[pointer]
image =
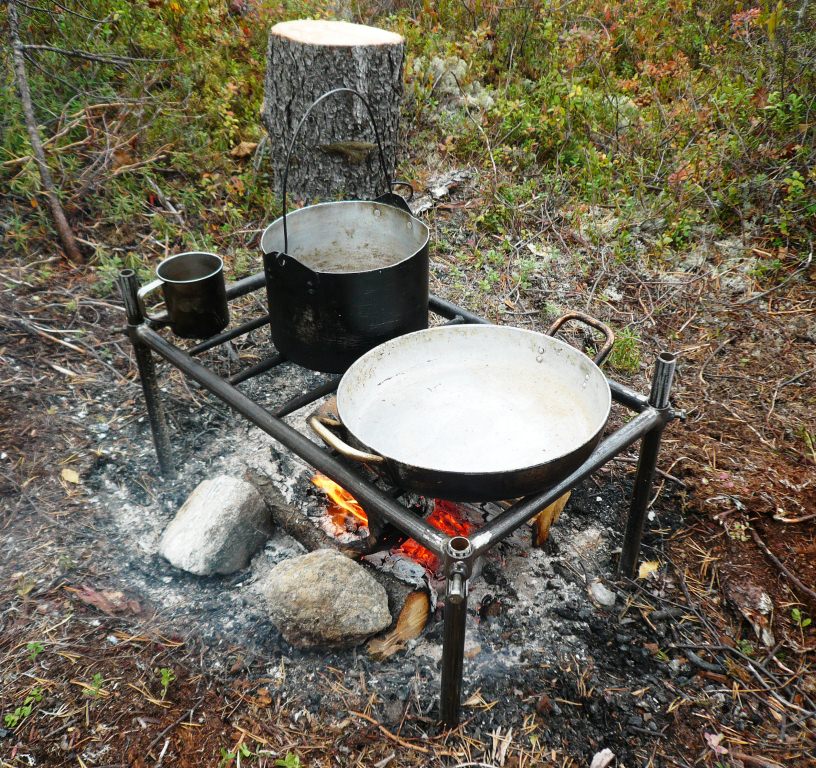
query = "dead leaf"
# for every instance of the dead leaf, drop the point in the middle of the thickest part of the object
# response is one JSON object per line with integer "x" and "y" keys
{"x": 546, "y": 518}
{"x": 122, "y": 157}
{"x": 244, "y": 149}
{"x": 411, "y": 622}
{"x": 70, "y": 475}
{"x": 647, "y": 567}
{"x": 111, "y": 602}
{"x": 754, "y": 604}
{"x": 713, "y": 741}
{"x": 25, "y": 585}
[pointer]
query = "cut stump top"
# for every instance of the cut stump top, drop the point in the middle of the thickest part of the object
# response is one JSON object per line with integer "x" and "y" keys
{"x": 334, "y": 33}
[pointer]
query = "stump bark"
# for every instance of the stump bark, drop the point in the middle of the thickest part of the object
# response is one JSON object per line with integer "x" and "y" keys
{"x": 335, "y": 155}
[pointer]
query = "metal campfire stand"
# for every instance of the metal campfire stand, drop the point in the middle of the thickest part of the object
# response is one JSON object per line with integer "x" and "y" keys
{"x": 458, "y": 553}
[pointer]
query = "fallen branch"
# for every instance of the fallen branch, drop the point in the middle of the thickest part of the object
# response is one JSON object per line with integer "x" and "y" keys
{"x": 388, "y": 735}
{"x": 803, "y": 268}
{"x": 803, "y": 519}
{"x": 759, "y": 762}
{"x": 294, "y": 522}
{"x": 64, "y": 230}
{"x": 166, "y": 204}
{"x": 33, "y": 329}
{"x": 662, "y": 473}
{"x": 176, "y": 722}
{"x": 804, "y": 589}
{"x": 88, "y": 56}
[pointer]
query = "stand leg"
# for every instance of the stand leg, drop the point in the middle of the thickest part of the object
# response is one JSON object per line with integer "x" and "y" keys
{"x": 129, "y": 285}
{"x": 453, "y": 649}
{"x": 647, "y": 463}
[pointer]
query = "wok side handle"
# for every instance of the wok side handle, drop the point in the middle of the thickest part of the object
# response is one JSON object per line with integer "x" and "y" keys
{"x": 320, "y": 428}
{"x": 581, "y": 317}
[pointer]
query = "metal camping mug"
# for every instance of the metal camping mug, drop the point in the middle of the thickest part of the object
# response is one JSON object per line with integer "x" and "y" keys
{"x": 194, "y": 294}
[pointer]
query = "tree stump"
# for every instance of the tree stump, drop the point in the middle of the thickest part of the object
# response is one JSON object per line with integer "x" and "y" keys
{"x": 336, "y": 154}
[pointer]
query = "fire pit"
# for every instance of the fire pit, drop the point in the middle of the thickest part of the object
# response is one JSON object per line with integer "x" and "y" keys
{"x": 457, "y": 550}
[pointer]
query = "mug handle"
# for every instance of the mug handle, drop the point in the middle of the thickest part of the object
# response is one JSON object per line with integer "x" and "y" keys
{"x": 140, "y": 296}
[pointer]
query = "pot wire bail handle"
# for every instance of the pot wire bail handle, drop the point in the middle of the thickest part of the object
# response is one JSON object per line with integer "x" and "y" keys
{"x": 300, "y": 125}
{"x": 581, "y": 317}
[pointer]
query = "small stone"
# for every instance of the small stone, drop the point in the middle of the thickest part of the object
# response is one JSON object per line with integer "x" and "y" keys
{"x": 324, "y": 598}
{"x": 602, "y": 595}
{"x": 603, "y": 758}
{"x": 217, "y": 530}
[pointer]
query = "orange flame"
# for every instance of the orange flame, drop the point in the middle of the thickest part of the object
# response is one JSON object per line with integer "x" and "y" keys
{"x": 342, "y": 502}
{"x": 448, "y": 518}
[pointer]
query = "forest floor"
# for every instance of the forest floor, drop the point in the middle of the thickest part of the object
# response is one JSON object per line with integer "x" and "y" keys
{"x": 739, "y": 472}
{"x": 92, "y": 675}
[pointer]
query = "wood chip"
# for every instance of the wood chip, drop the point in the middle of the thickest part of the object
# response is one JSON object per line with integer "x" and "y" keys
{"x": 546, "y": 518}
{"x": 411, "y": 622}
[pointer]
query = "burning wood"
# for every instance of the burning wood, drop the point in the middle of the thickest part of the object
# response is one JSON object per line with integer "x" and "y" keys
{"x": 447, "y": 517}
{"x": 343, "y": 507}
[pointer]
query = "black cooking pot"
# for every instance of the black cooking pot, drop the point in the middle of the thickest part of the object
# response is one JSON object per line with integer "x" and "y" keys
{"x": 344, "y": 277}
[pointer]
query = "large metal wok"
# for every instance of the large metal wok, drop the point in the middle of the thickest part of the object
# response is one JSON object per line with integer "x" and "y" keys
{"x": 473, "y": 412}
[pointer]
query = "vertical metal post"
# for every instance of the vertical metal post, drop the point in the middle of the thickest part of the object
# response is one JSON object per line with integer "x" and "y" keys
{"x": 647, "y": 463}
{"x": 457, "y": 565}
{"x": 129, "y": 286}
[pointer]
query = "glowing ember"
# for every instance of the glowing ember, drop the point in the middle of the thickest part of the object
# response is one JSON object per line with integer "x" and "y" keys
{"x": 342, "y": 503}
{"x": 448, "y": 518}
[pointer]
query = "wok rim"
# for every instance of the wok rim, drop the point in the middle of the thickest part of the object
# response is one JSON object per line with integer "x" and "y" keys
{"x": 485, "y": 475}
{"x": 365, "y": 203}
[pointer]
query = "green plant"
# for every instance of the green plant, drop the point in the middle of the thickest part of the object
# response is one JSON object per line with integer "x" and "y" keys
{"x": 166, "y": 677}
{"x": 800, "y": 619}
{"x": 13, "y": 719}
{"x": 241, "y": 751}
{"x": 745, "y": 647}
{"x": 625, "y": 355}
{"x": 765, "y": 268}
{"x": 489, "y": 280}
{"x": 34, "y": 648}
{"x": 809, "y": 438}
{"x": 94, "y": 688}
{"x": 737, "y": 530}
{"x": 290, "y": 761}
{"x": 525, "y": 268}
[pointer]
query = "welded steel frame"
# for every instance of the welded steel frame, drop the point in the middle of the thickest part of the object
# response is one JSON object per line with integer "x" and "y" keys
{"x": 458, "y": 553}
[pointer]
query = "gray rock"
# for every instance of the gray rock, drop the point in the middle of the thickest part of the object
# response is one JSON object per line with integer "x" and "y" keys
{"x": 324, "y": 599}
{"x": 217, "y": 530}
{"x": 602, "y": 595}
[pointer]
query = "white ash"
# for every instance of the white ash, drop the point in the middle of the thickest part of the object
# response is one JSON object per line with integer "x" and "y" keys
{"x": 542, "y": 612}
